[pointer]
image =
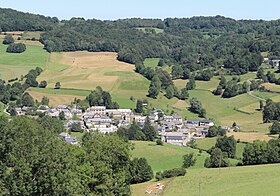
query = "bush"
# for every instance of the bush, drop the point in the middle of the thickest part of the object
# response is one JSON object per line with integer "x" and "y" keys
{"x": 16, "y": 48}
{"x": 170, "y": 173}
{"x": 8, "y": 40}
{"x": 159, "y": 142}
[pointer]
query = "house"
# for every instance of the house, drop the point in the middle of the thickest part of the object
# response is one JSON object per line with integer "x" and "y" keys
{"x": 176, "y": 138}
{"x": 275, "y": 63}
{"x": 120, "y": 114}
{"x": 53, "y": 112}
{"x": 140, "y": 119}
{"x": 100, "y": 110}
{"x": 77, "y": 112}
{"x": 206, "y": 123}
{"x": 173, "y": 119}
{"x": 68, "y": 138}
{"x": 68, "y": 124}
{"x": 104, "y": 129}
{"x": 192, "y": 123}
{"x": 19, "y": 112}
{"x": 43, "y": 108}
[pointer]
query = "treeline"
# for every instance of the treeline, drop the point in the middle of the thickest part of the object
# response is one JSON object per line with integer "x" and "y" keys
{"x": 101, "y": 165}
{"x": 271, "y": 111}
{"x": 11, "y": 20}
{"x": 261, "y": 152}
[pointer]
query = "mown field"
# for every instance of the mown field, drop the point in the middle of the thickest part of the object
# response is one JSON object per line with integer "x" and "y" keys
{"x": 250, "y": 180}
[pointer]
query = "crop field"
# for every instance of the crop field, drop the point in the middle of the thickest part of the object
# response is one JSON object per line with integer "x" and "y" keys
{"x": 165, "y": 157}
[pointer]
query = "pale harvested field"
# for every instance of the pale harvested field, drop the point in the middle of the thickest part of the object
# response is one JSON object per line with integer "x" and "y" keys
{"x": 86, "y": 70}
{"x": 55, "y": 99}
{"x": 249, "y": 137}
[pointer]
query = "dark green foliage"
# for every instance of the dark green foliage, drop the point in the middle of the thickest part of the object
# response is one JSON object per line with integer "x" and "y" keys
{"x": 50, "y": 123}
{"x": 223, "y": 82}
{"x": 57, "y": 85}
{"x": 184, "y": 94}
{"x": 171, "y": 173}
{"x": 99, "y": 97}
{"x": 177, "y": 72}
{"x": 11, "y": 20}
{"x": 76, "y": 127}
{"x": 271, "y": 111}
{"x": 45, "y": 101}
{"x": 216, "y": 131}
{"x": 149, "y": 130}
{"x": 170, "y": 92}
{"x": 104, "y": 164}
{"x": 196, "y": 107}
{"x": 189, "y": 160}
{"x": 274, "y": 128}
{"x": 204, "y": 75}
{"x": 140, "y": 171}
{"x": 16, "y": 48}
{"x": 217, "y": 159}
{"x": 41, "y": 163}
{"x": 61, "y": 116}
{"x": 261, "y": 104}
{"x": 27, "y": 100}
{"x": 43, "y": 84}
{"x": 191, "y": 84}
{"x": 218, "y": 91}
{"x": 155, "y": 87}
{"x": 139, "y": 107}
{"x": 227, "y": 145}
{"x": 161, "y": 63}
{"x": 159, "y": 142}
{"x": 8, "y": 40}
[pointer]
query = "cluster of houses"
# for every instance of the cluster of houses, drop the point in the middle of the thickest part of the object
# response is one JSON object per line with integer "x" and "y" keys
{"x": 172, "y": 129}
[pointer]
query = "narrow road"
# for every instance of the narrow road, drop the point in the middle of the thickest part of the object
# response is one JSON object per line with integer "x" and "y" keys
{"x": 250, "y": 94}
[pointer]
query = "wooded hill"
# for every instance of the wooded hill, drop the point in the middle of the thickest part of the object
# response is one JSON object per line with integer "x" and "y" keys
{"x": 193, "y": 43}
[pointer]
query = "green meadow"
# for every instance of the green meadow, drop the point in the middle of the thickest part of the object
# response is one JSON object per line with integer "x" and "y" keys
{"x": 157, "y": 30}
{"x": 251, "y": 180}
{"x": 165, "y": 157}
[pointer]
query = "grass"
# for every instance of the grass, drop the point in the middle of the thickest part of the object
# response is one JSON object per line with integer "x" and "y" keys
{"x": 251, "y": 180}
{"x": 207, "y": 143}
{"x": 165, "y": 157}
{"x": 157, "y": 30}
{"x": 153, "y": 63}
{"x": 78, "y": 135}
{"x": 15, "y": 65}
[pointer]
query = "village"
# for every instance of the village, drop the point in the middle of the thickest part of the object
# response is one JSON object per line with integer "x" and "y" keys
{"x": 174, "y": 130}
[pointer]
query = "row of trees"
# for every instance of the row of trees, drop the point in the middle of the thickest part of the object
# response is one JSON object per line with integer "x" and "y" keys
{"x": 261, "y": 152}
{"x": 34, "y": 161}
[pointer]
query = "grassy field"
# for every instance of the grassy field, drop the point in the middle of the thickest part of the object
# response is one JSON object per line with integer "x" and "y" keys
{"x": 207, "y": 143}
{"x": 248, "y": 180}
{"x": 153, "y": 63}
{"x": 165, "y": 157}
{"x": 15, "y": 65}
{"x": 251, "y": 180}
{"x": 157, "y": 30}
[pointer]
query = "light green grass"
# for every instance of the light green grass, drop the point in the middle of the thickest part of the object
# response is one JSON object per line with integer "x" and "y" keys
{"x": 207, "y": 143}
{"x": 78, "y": 135}
{"x": 165, "y": 157}
{"x": 157, "y": 30}
{"x": 30, "y": 35}
{"x": 15, "y": 65}
{"x": 153, "y": 63}
{"x": 252, "y": 180}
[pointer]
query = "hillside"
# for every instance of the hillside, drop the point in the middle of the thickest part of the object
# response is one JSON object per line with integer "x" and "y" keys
{"x": 251, "y": 180}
